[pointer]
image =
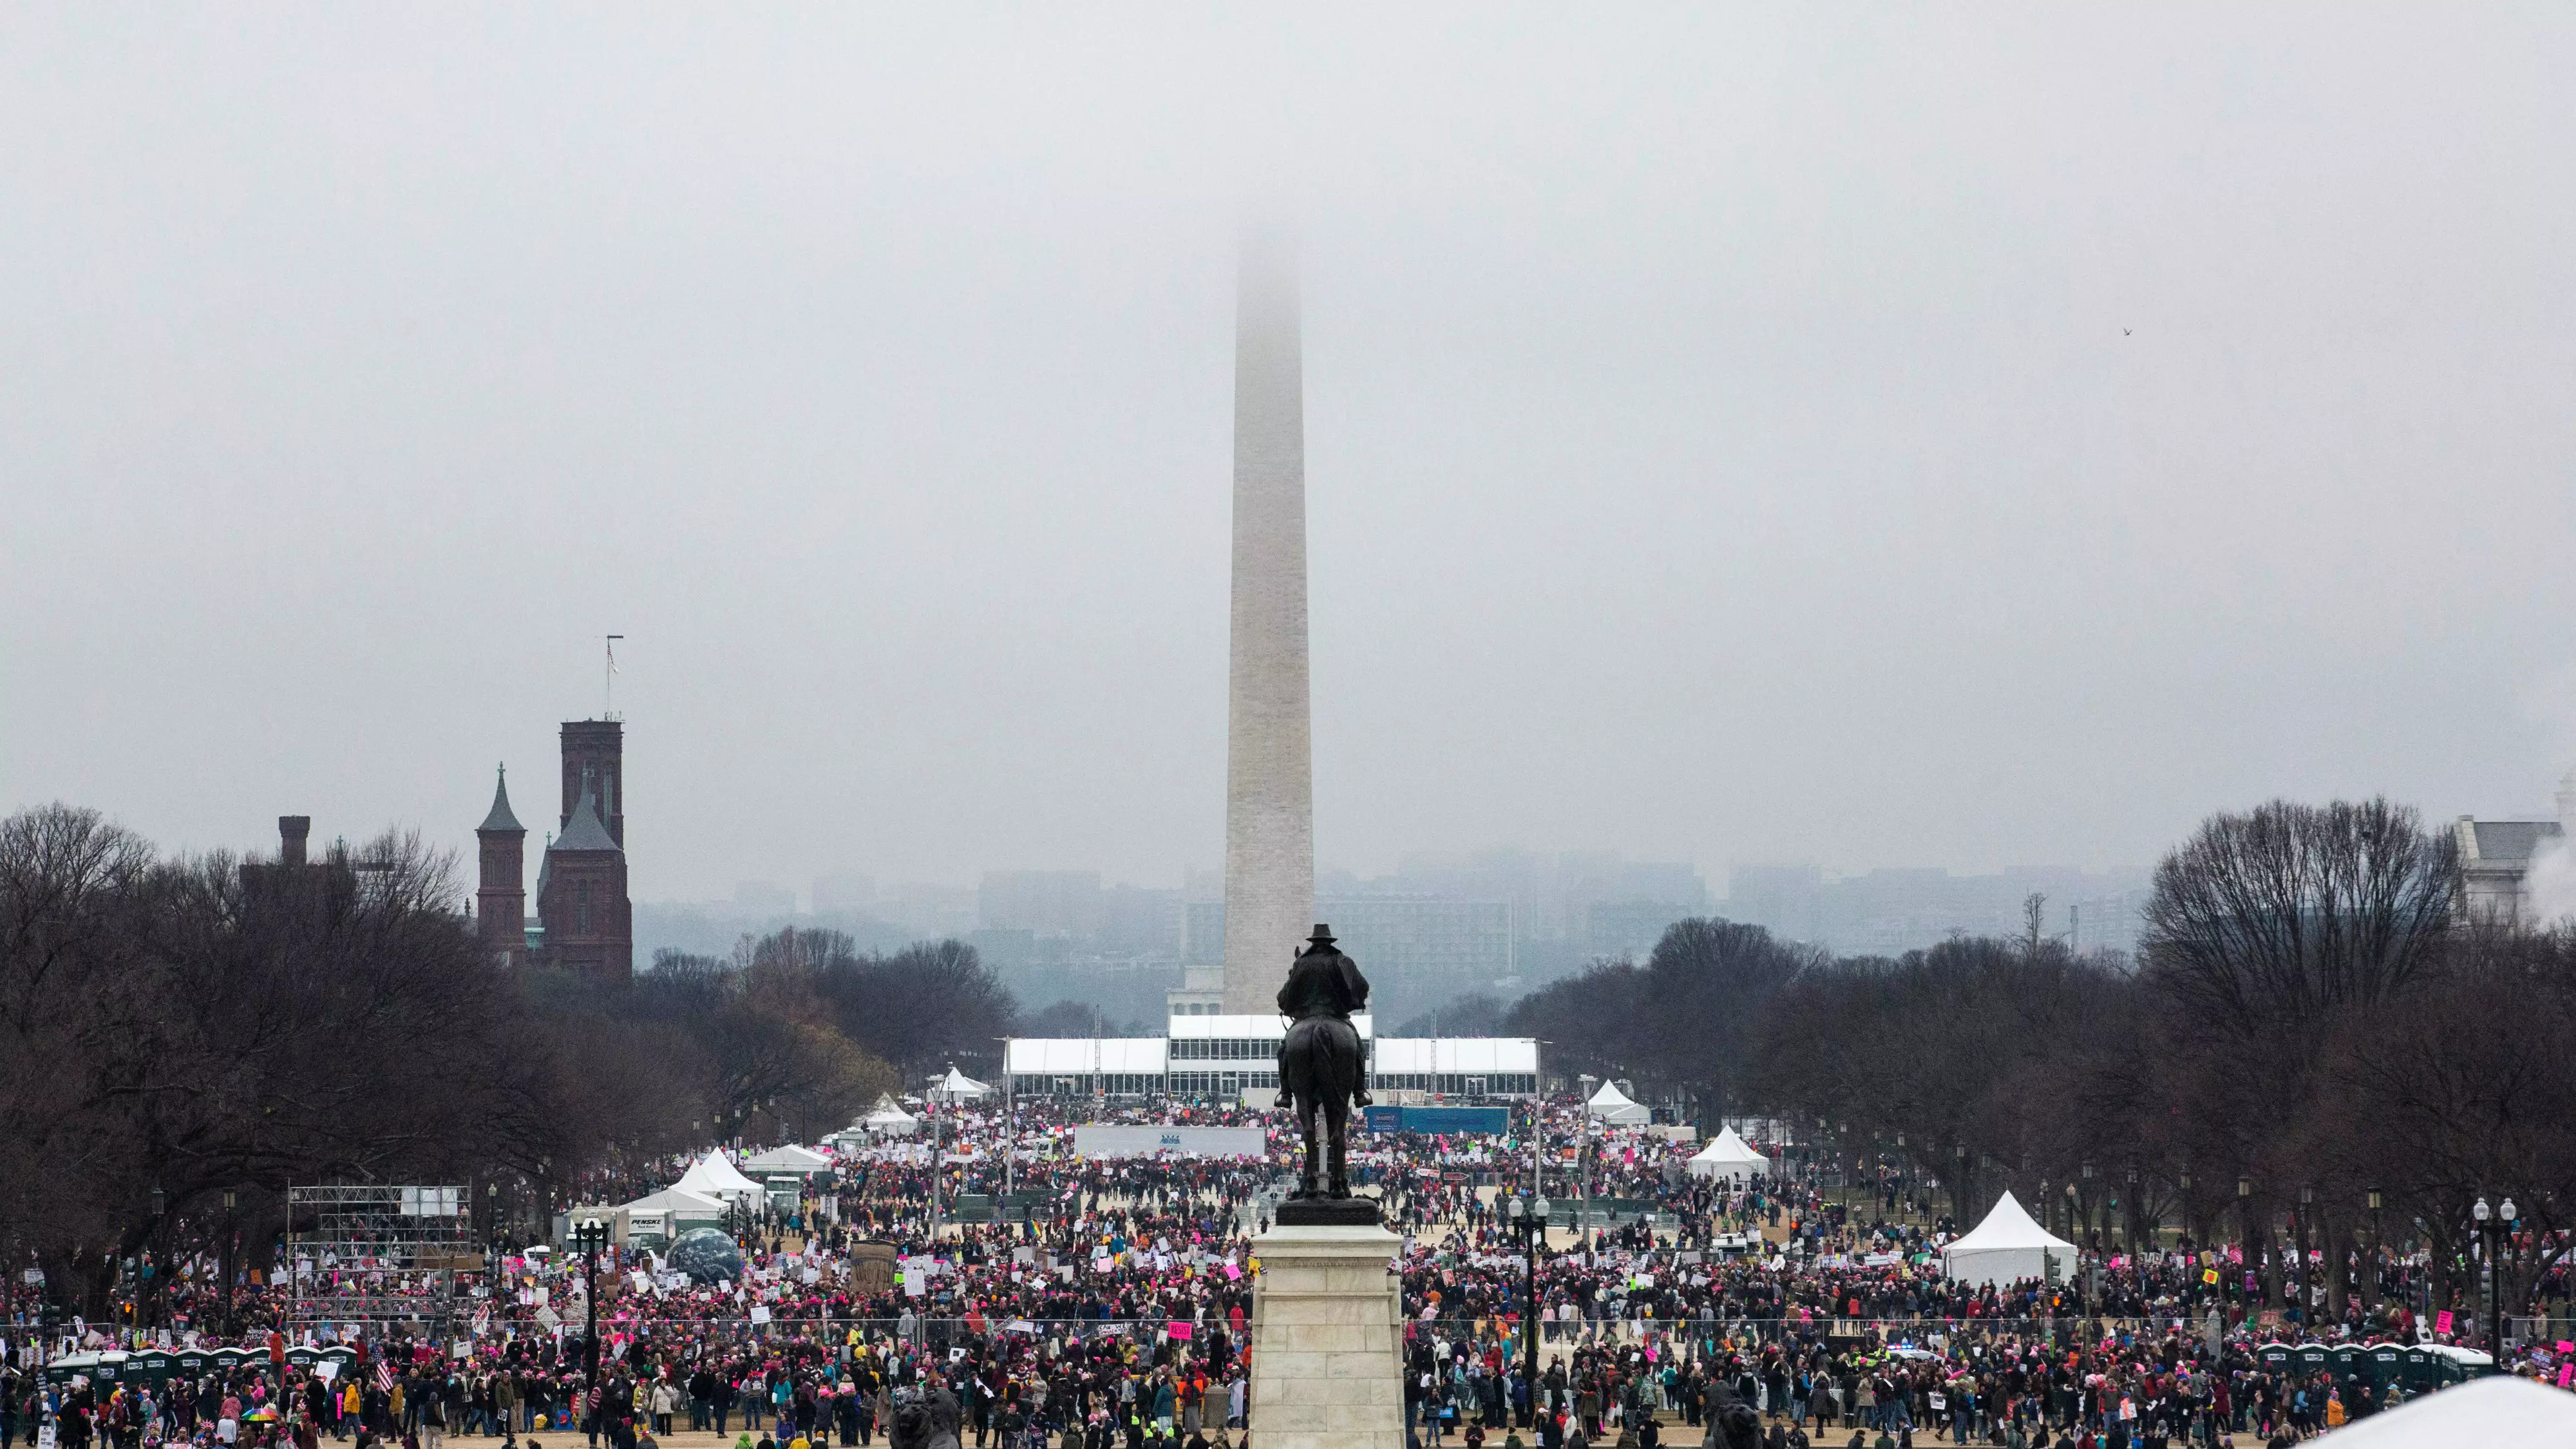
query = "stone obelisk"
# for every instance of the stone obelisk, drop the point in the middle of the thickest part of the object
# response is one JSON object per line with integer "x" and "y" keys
{"x": 1269, "y": 768}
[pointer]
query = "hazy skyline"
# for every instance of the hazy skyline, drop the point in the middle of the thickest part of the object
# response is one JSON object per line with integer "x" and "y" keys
{"x": 1972, "y": 438}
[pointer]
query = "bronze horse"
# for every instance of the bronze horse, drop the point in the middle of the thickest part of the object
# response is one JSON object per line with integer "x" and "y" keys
{"x": 1321, "y": 1068}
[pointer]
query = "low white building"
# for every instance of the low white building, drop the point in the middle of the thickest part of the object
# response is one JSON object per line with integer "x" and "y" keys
{"x": 1205, "y": 1057}
{"x": 2497, "y": 857}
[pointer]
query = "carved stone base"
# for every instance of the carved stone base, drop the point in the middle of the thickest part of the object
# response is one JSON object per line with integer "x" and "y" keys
{"x": 1334, "y": 1212}
{"x": 1326, "y": 1332}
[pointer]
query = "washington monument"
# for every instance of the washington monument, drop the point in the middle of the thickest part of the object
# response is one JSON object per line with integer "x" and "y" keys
{"x": 1269, "y": 767}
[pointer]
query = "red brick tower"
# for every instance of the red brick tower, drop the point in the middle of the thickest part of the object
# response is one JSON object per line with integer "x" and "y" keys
{"x": 501, "y": 898}
{"x": 587, "y": 920}
{"x": 594, "y": 758}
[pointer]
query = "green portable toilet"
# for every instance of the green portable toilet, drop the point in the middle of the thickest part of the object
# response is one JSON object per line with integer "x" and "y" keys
{"x": 2275, "y": 1358}
{"x": 190, "y": 1363}
{"x": 2385, "y": 1363}
{"x": 70, "y": 1366}
{"x": 111, "y": 1366}
{"x": 302, "y": 1357}
{"x": 2311, "y": 1358}
{"x": 2343, "y": 1359}
{"x": 152, "y": 1365}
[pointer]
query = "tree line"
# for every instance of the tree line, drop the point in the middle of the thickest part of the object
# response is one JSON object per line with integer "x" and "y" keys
{"x": 2310, "y": 1026}
{"x": 174, "y": 1029}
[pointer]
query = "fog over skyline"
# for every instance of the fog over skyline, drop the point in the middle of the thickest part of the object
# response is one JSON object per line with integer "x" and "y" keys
{"x": 1975, "y": 438}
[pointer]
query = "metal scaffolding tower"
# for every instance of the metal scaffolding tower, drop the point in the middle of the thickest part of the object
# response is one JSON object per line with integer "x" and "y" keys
{"x": 378, "y": 1255}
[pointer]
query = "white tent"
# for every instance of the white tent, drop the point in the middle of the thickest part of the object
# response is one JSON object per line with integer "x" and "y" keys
{"x": 686, "y": 1209}
{"x": 2007, "y": 1248}
{"x": 888, "y": 1120}
{"x": 714, "y": 1177}
{"x": 958, "y": 1087}
{"x": 787, "y": 1161}
{"x": 2500, "y": 1410}
{"x": 1615, "y": 1107}
{"x": 1728, "y": 1155}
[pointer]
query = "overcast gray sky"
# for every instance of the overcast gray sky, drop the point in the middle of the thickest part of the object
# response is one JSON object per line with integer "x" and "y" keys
{"x": 1863, "y": 435}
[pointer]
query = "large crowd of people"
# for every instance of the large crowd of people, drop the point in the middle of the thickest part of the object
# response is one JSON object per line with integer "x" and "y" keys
{"x": 1022, "y": 1296}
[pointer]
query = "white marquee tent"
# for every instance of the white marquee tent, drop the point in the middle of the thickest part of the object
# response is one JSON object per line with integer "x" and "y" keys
{"x": 788, "y": 1161}
{"x": 687, "y": 1209}
{"x": 1729, "y": 1155}
{"x": 1616, "y": 1108}
{"x": 958, "y": 1087}
{"x": 714, "y": 1177}
{"x": 2501, "y": 1410}
{"x": 2007, "y": 1248}
{"x": 889, "y": 1120}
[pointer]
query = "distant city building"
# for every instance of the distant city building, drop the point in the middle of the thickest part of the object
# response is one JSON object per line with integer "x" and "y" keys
{"x": 1044, "y": 902}
{"x": 2497, "y": 857}
{"x": 1422, "y": 948}
{"x": 844, "y": 895}
{"x": 1889, "y": 912}
{"x": 763, "y": 898}
{"x": 1630, "y": 928}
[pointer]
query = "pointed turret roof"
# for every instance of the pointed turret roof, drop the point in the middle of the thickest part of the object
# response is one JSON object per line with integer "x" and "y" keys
{"x": 586, "y": 831}
{"x": 501, "y": 819}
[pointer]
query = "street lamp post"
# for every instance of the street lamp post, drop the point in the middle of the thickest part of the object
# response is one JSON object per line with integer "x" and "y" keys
{"x": 2495, "y": 1227}
{"x": 590, "y": 1236}
{"x": 2136, "y": 1215}
{"x": 2245, "y": 1213}
{"x": 1530, "y": 1216}
{"x": 160, "y": 1206}
{"x": 2307, "y": 1227}
{"x": 2378, "y": 1251}
{"x": 229, "y": 1202}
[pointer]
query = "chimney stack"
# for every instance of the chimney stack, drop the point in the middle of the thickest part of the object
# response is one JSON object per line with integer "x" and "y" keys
{"x": 291, "y": 831}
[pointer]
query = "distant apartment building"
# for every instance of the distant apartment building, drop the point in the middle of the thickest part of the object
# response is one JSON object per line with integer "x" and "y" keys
{"x": 837, "y": 895}
{"x": 1630, "y": 929}
{"x": 1044, "y": 902}
{"x": 1421, "y": 948}
{"x": 1889, "y": 912}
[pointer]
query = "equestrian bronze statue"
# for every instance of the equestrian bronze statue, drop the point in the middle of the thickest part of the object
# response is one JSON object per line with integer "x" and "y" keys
{"x": 1322, "y": 1075}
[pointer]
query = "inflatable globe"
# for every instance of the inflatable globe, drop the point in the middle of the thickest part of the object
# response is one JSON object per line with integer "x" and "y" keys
{"x": 706, "y": 1255}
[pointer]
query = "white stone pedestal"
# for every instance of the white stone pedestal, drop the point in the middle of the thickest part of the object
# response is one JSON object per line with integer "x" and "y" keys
{"x": 1327, "y": 1331}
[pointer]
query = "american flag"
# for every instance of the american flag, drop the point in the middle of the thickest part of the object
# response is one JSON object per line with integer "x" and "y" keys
{"x": 384, "y": 1375}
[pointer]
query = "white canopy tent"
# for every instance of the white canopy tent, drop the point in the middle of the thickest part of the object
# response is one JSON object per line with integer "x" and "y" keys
{"x": 2499, "y": 1410}
{"x": 687, "y": 1209}
{"x": 714, "y": 1177}
{"x": 1616, "y": 1108}
{"x": 958, "y": 1087}
{"x": 787, "y": 1161}
{"x": 2007, "y": 1248}
{"x": 1728, "y": 1155}
{"x": 888, "y": 1120}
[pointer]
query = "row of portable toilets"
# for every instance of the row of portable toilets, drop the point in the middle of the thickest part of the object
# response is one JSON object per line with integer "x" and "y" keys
{"x": 158, "y": 1365}
{"x": 2410, "y": 1366}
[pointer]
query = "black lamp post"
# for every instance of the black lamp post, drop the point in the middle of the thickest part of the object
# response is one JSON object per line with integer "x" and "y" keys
{"x": 2182, "y": 1196}
{"x": 160, "y": 1206}
{"x": 230, "y": 1200}
{"x": 2378, "y": 1247}
{"x": 2245, "y": 1212}
{"x": 1530, "y": 1216}
{"x": 2494, "y": 1229}
{"x": 2307, "y": 1225}
{"x": 590, "y": 1236}
{"x": 2087, "y": 1203}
